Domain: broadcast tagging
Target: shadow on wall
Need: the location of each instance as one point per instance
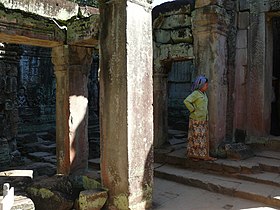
(147, 182)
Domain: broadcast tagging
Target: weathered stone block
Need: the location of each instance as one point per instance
(274, 5)
(84, 31)
(62, 10)
(4, 153)
(176, 21)
(45, 32)
(11, 84)
(203, 3)
(241, 40)
(176, 51)
(92, 199)
(162, 36)
(182, 35)
(53, 193)
(241, 61)
(85, 183)
(244, 5)
(243, 20)
(46, 199)
(238, 151)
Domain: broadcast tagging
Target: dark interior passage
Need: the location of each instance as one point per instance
(275, 104)
(179, 87)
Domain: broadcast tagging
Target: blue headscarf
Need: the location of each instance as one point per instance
(199, 82)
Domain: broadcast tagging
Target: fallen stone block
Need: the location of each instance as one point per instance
(238, 151)
(92, 199)
(46, 199)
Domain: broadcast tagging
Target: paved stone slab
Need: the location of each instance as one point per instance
(250, 165)
(268, 154)
(168, 195)
(225, 185)
(264, 177)
(39, 155)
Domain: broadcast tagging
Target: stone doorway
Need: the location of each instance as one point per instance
(179, 87)
(275, 105)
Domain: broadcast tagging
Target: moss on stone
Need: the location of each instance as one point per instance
(85, 27)
(92, 204)
(42, 192)
(89, 183)
(45, 193)
(121, 201)
(148, 192)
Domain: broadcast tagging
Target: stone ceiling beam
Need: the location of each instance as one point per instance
(84, 32)
(24, 28)
(59, 9)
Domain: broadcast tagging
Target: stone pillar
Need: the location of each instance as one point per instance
(72, 66)
(126, 98)
(9, 62)
(160, 107)
(259, 75)
(210, 23)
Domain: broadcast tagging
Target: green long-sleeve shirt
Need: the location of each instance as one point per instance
(197, 104)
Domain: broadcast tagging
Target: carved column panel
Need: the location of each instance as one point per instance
(210, 24)
(126, 98)
(72, 66)
(259, 74)
(9, 61)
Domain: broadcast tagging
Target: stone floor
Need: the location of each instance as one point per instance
(179, 183)
(255, 178)
(170, 195)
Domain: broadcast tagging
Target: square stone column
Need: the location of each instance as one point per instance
(259, 76)
(72, 65)
(126, 98)
(210, 49)
(160, 107)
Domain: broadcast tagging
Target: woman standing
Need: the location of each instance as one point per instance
(198, 135)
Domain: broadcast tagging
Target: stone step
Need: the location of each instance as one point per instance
(268, 154)
(94, 163)
(265, 143)
(259, 192)
(263, 161)
(264, 178)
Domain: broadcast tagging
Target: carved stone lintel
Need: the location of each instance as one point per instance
(269, 5)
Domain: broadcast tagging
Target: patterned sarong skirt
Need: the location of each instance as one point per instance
(198, 139)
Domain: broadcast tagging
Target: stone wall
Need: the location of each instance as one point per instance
(254, 66)
(172, 42)
(9, 61)
(28, 96)
(36, 90)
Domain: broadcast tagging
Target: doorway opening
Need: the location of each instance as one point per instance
(179, 87)
(275, 105)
